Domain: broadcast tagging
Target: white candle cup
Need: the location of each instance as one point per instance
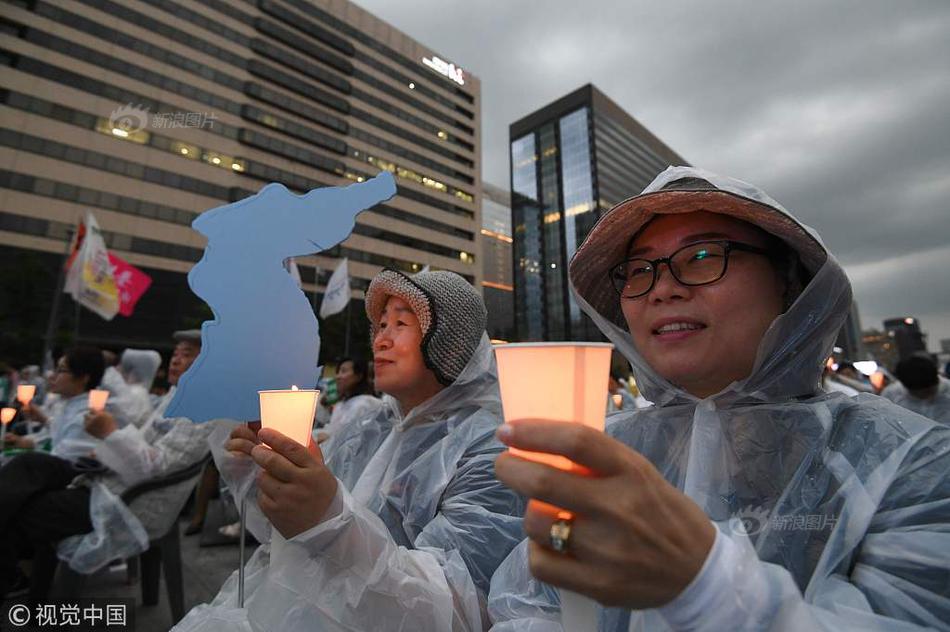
(575, 376)
(25, 393)
(6, 416)
(97, 399)
(290, 412)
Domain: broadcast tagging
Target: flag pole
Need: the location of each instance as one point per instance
(346, 345)
(53, 320)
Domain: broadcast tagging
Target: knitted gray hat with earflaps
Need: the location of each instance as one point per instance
(451, 314)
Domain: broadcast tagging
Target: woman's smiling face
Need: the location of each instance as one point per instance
(703, 338)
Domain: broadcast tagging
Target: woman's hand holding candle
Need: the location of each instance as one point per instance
(99, 424)
(295, 488)
(636, 541)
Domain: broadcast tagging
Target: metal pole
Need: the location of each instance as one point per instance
(241, 551)
(346, 345)
(53, 320)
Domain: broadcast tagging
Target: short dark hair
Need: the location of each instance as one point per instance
(363, 387)
(86, 362)
(917, 372)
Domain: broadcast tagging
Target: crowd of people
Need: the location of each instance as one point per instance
(747, 478)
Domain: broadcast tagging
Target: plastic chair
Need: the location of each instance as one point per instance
(164, 551)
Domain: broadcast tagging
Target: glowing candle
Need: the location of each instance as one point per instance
(6, 416)
(290, 412)
(97, 399)
(574, 375)
(25, 392)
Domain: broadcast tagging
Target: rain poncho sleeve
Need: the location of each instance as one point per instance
(136, 455)
(885, 565)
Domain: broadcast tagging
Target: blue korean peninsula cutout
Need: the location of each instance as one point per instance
(264, 334)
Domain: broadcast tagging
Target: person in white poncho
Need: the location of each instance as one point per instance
(403, 525)
(746, 498)
(131, 402)
(52, 503)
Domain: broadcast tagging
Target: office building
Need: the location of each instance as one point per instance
(148, 113)
(570, 161)
(497, 287)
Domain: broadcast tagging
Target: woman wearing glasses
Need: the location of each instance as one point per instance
(747, 497)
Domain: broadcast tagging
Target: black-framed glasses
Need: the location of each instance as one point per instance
(696, 264)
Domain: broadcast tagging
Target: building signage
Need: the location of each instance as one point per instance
(443, 67)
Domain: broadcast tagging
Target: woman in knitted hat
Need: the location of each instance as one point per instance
(403, 524)
(747, 498)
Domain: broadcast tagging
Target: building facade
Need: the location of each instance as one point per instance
(497, 287)
(570, 161)
(149, 113)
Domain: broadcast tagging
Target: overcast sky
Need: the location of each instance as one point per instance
(839, 109)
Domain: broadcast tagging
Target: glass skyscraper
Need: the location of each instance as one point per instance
(570, 161)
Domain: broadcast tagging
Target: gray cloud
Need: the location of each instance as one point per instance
(838, 108)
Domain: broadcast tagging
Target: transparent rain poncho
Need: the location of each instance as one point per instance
(422, 524)
(936, 407)
(839, 507)
(131, 403)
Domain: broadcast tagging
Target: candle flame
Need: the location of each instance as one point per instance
(294, 388)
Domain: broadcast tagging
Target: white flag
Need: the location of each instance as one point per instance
(338, 291)
(89, 279)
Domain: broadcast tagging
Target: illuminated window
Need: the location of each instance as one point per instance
(135, 135)
(186, 150)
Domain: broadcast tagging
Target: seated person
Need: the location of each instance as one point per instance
(356, 398)
(77, 372)
(403, 525)
(920, 388)
(132, 402)
(746, 498)
(42, 500)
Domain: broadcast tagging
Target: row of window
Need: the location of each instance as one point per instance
(69, 115)
(83, 53)
(115, 241)
(161, 28)
(81, 82)
(254, 66)
(142, 47)
(94, 198)
(285, 80)
(105, 162)
(313, 30)
(311, 9)
(90, 121)
(303, 45)
(253, 113)
(339, 63)
(276, 53)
